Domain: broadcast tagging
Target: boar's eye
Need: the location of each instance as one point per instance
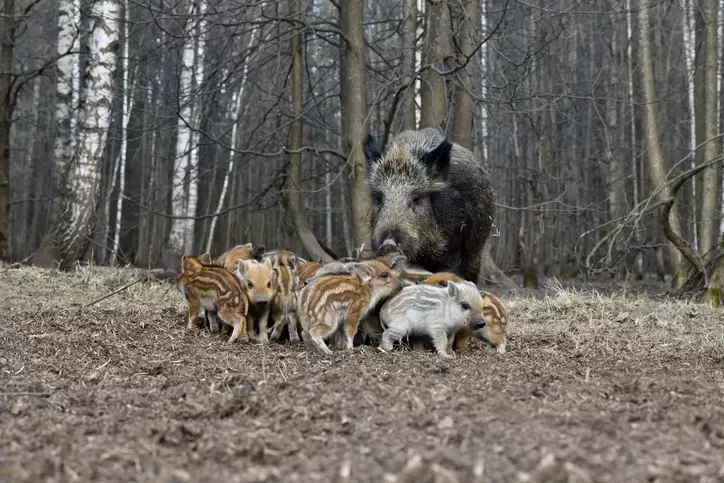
(416, 199)
(250, 284)
(385, 276)
(268, 285)
(377, 198)
(465, 306)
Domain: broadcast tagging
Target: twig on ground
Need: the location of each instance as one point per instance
(112, 293)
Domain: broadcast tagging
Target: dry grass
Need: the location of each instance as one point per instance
(594, 387)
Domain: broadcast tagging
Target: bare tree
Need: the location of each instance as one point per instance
(654, 158)
(353, 101)
(185, 182)
(409, 49)
(437, 52)
(462, 128)
(292, 186)
(73, 222)
(6, 114)
(707, 123)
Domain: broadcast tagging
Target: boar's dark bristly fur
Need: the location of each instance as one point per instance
(433, 198)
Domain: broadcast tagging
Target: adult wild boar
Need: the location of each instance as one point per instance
(432, 197)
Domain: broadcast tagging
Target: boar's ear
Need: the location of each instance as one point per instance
(245, 245)
(453, 289)
(363, 272)
(257, 252)
(437, 161)
(205, 258)
(372, 150)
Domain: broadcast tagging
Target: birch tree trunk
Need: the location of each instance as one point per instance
(126, 115)
(185, 178)
(68, 82)
(462, 129)
(438, 49)
(652, 140)
(483, 85)
(707, 126)
(73, 220)
(354, 108)
(6, 115)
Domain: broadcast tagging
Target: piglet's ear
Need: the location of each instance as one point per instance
(453, 289)
(437, 161)
(363, 272)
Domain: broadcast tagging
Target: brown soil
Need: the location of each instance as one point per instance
(594, 387)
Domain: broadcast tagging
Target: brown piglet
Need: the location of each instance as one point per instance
(260, 280)
(218, 291)
(338, 302)
(284, 307)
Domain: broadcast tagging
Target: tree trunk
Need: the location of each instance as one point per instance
(74, 217)
(6, 115)
(654, 158)
(462, 129)
(291, 196)
(690, 53)
(239, 112)
(708, 126)
(438, 50)
(185, 179)
(354, 109)
(409, 37)
(127, 93)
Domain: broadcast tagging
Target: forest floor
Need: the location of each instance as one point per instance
(596, 386)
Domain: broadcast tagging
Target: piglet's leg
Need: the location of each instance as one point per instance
(390, 335)
(440, 340)
(263, 321)
(194, 307)
(292, 326)
(213, 320)
(350, 327)
(317, 335)
(279, 321)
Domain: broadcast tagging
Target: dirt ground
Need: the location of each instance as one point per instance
(595, 386)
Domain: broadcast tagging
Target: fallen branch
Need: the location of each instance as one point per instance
(113, 293)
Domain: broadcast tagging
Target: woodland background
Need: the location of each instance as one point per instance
(134, 131)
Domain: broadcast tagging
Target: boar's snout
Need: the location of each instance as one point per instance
(261, 302)
(393, 240)
(477, 323)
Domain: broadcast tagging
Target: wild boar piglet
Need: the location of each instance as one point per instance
(439, 312)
